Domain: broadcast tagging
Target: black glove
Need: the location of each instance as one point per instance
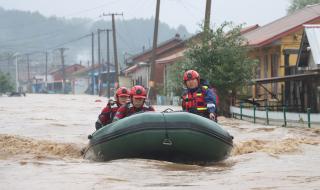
(98, 125)
(111, 102)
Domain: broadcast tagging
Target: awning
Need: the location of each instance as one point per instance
(286, 78)
(131, 69)
(313, 34)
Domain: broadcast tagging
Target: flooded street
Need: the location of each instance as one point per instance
(41, 138)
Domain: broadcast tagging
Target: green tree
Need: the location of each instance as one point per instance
(221, 57)
(299, 4)
(5, 84)
(175, 80)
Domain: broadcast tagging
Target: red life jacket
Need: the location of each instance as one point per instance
(195, 102)
(108, 113)
(128, 109)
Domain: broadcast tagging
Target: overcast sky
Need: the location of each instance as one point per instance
(173, 12)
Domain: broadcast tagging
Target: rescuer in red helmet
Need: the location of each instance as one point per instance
(198, 99)
(138, 96)
(107, 114)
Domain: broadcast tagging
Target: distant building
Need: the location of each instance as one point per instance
(55, 85)
(307, 90)
(87, 80)
(276, 46)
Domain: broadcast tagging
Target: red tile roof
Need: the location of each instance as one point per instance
(281, 27)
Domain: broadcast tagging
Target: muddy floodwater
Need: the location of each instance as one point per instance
(41, 138)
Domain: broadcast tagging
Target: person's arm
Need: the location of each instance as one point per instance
(121, 113)
(151, 108)
(103, 118)
(210, 100)
(183, 103)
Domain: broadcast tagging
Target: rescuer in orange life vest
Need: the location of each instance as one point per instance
(198, 99)
(108, 113)
(138, 96)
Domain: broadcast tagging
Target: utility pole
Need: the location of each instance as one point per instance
(108, 63)
(88, 65)
(207, 15)
(99, 63)
(152, 83)
(92, 63)
(46, 79)
(17, 75)
(63, 69)
(28, 65)
(8, 66)
(115, 45)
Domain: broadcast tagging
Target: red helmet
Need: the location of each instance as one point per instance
(190, 75)
(138, 92)
(122, 91)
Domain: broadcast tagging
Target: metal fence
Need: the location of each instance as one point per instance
(264, 114)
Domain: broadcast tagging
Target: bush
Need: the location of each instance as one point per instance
(5, 83)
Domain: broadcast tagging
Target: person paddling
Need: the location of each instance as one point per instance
(108, 113)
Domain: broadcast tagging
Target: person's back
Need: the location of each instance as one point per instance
(137, 104)
(108, 113)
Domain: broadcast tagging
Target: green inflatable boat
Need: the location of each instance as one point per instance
(176, 136)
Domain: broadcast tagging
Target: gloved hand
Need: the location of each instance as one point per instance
(111, 102)
(98, 125)
(212, 116)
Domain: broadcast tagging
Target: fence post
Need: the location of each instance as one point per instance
(267, 114)
(254, 113)
(285, 116)
(309, 121)
(241, 106)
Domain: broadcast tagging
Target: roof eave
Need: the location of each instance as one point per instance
(276, 37)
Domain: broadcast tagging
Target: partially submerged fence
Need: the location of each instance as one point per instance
(264, 114)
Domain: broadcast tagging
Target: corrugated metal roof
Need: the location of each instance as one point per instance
(313, 35)
(277, 29)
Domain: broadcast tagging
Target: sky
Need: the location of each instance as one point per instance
(189, 13)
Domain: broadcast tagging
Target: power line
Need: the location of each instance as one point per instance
(45, 34)
(23, 42)
(136, 6)
(68, 42)
(132, 47)
(192, 14)
(30, 37)
(115, 43)
(53, 47)
(68, 15)
(128, 32)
